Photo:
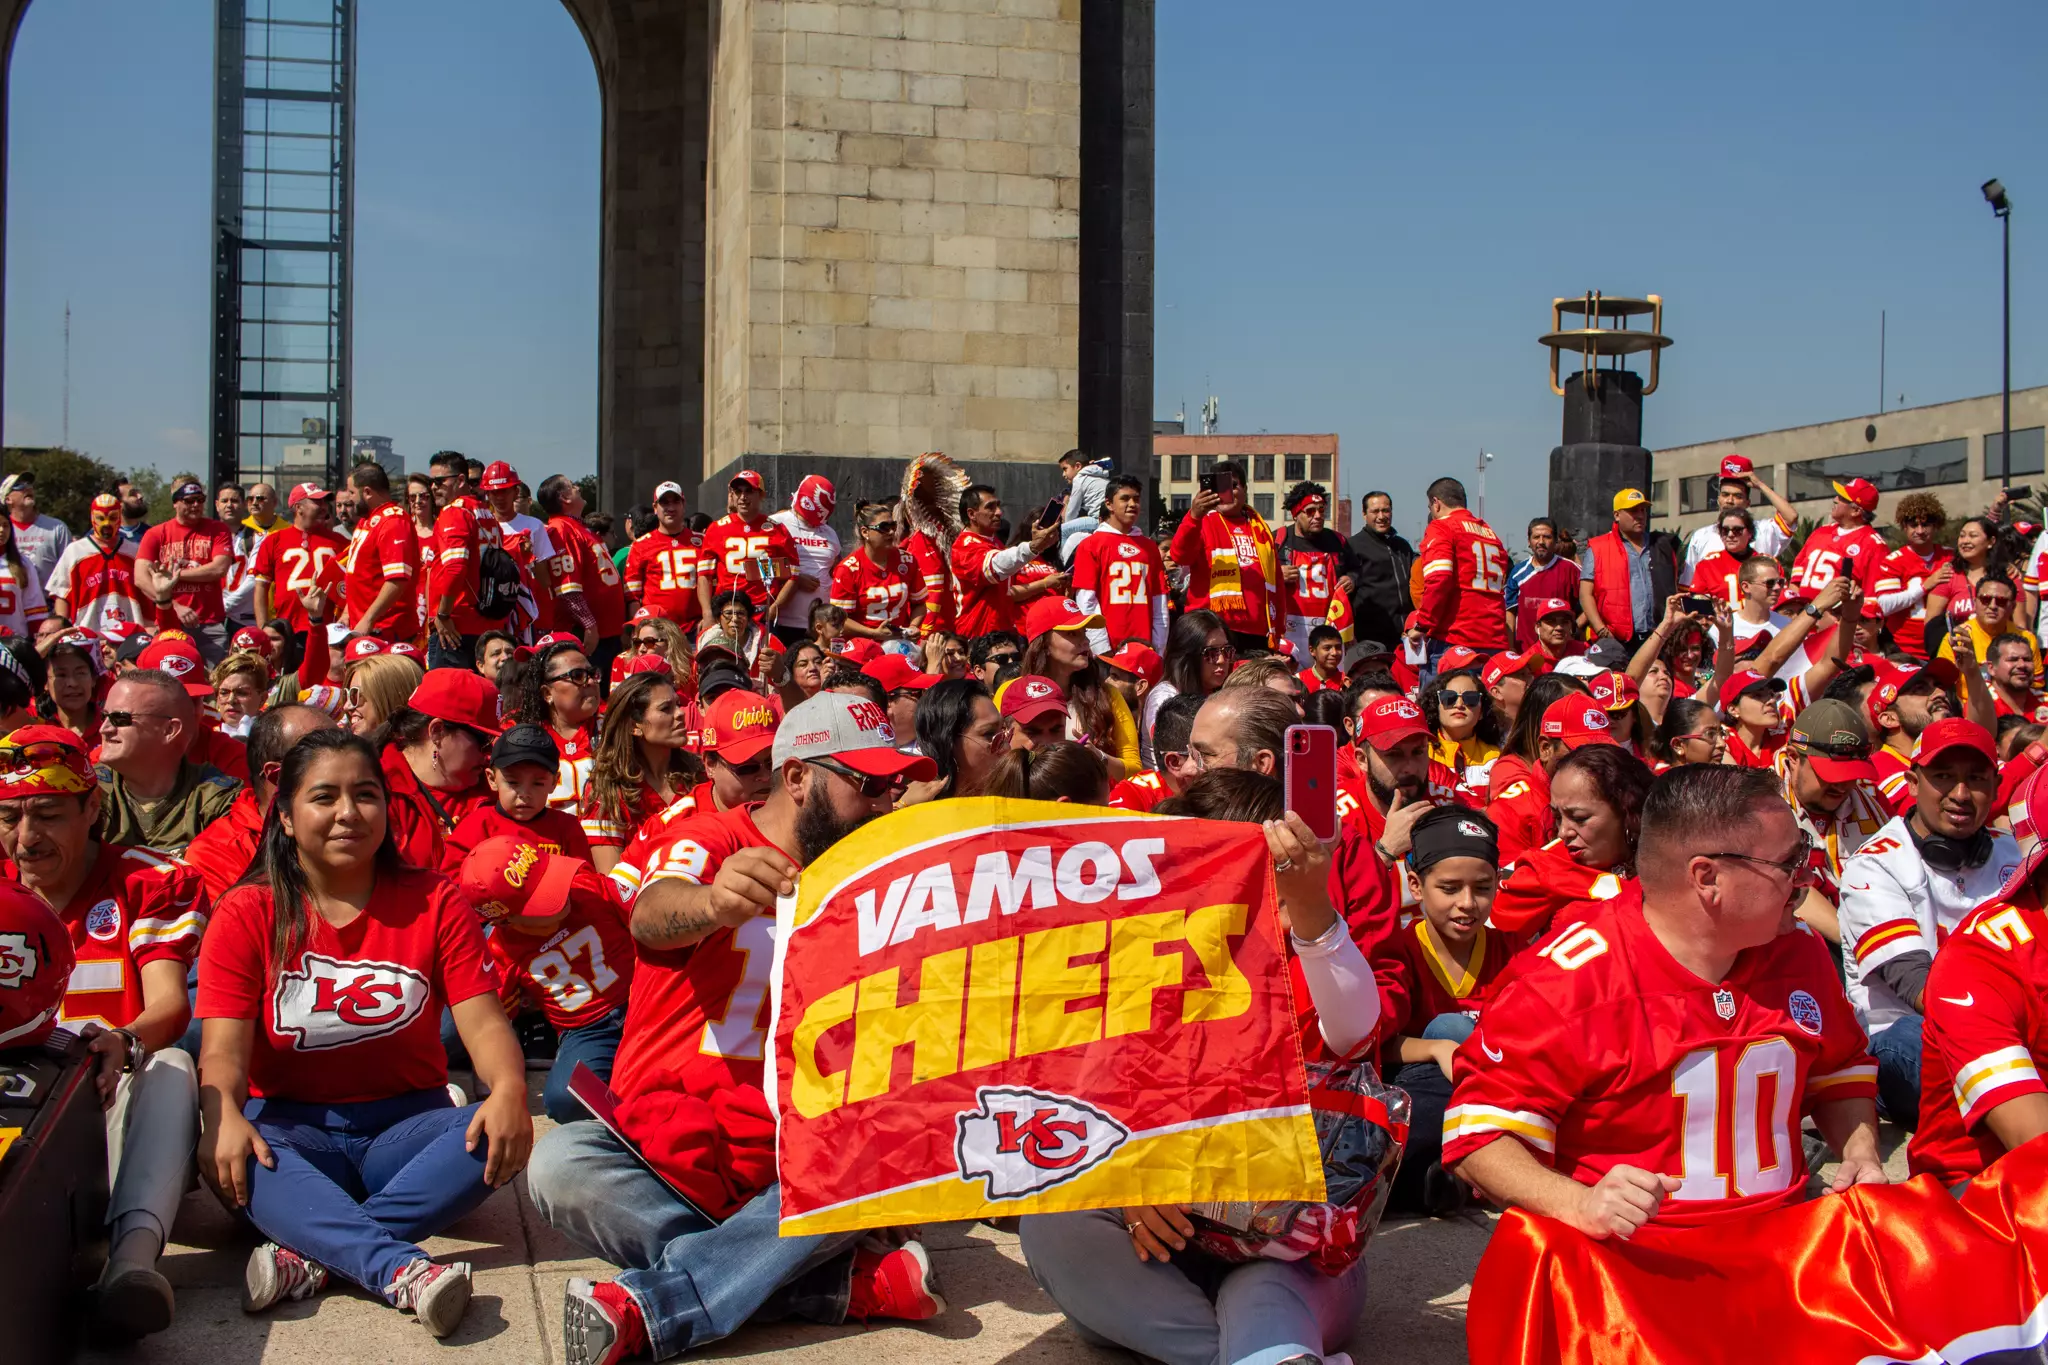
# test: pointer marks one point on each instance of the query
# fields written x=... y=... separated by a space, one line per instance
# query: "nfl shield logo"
x=1724 y=1003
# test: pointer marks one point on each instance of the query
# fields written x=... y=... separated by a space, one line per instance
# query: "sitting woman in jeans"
x=324 y=1107
x=1129 y=1277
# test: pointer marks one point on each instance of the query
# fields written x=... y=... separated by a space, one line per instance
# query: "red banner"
x=989 y=1007
x=1884 y=1273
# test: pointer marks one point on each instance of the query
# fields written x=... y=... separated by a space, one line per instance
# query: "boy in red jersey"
x=558 y=931
x=1619 y=1078
x=1317 y=565
x=661 y=568
x=1120 y=576
x=304 y=557
x=525 y=766
x=135 y=919
x=701 y=895
x=1325 y=671
x=383 y=562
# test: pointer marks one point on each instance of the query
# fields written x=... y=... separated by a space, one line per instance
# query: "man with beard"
x=1901 y=703
x=701 y=897
x=1380 y=813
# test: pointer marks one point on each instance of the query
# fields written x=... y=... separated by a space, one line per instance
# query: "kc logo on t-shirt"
x=329 y=1004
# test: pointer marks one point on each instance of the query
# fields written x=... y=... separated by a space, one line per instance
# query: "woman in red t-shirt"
x=321 y=983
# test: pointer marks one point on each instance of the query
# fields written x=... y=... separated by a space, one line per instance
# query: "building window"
x=1319 y=468
x=1181 y=500
x=2026 y=452
x=1297 y=468
x=1897 y=470
x=1205 y=464
x=1183 y=468
x=1264 y=502
x=1700 y=493
x=1262 y=469
x=1658 y=490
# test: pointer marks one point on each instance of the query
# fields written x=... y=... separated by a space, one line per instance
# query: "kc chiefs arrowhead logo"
x=18 y=960
x=328 y=1004
x=1022 y=1141
x=1127 y=550
x=1037 y=689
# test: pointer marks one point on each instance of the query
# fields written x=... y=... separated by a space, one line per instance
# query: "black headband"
x=1453 y=832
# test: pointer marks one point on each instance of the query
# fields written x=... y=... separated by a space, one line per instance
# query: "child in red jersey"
x=521 y=777
x=559 y=931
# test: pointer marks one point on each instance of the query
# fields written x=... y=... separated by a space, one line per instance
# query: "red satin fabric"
x=1899 y=1272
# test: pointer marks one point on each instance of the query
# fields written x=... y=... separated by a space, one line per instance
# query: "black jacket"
x=1381 y=604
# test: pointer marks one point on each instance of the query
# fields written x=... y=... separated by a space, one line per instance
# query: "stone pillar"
x=1116 y=232
x=894 y=254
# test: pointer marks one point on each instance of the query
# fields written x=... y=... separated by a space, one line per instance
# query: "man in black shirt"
x=1380 y=602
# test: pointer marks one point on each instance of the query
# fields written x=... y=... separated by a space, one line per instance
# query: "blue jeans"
x=694 y=1280
x=1897 y=1050
x=357 y=1185
x=594 y=1044
x=1429 y=1094
x=1194 y=1309
x=463 y=656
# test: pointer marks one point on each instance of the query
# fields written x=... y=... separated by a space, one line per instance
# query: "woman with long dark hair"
x=639 y=766
x=1464 y=733
x=1199 y=656
x=77 y=681
x=558 y=692
x=1691 y=732
x=1065 y=771
x=322 y=979
x=802 y=675
x=1097 y=714
x=1596 y=805
x=1983 y=547
x=960 y=730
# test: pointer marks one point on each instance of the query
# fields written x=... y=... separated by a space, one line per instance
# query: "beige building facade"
x=1953 y=450
x=1274 y=464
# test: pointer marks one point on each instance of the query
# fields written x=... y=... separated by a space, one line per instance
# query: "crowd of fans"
x=339 y=790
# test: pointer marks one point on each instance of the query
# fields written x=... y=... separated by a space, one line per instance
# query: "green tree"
x=66 y=481
x=588 y=485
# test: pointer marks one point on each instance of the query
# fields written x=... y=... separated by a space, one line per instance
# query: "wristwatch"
x=1812 y=611
x=137 y=1053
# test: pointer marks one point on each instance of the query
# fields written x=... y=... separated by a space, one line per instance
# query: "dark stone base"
x=1584 y=479
x=1024 y=485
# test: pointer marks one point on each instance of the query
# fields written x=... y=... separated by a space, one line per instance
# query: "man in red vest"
x=1629 y=573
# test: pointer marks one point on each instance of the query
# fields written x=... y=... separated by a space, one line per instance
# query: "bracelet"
x=137 y=1053
x=1380 y=851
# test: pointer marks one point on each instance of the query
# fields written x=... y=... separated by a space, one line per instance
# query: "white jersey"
x=238 y=589
x=1771 y=537
x=42 y=543
x=1745 y=631
x=22 y=605
x=98 y=586
x=1893 y=903
x=817 y=551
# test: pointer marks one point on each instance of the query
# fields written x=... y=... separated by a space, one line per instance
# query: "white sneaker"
x=455 y=1093
x=437 y=1294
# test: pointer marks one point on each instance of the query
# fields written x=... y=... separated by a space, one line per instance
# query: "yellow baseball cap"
x=1629 y=497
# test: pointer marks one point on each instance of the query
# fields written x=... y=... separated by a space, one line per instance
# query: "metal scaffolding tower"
x=283 y=192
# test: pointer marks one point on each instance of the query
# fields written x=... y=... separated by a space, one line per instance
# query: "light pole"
x=1484 y=460
x=2001 y=205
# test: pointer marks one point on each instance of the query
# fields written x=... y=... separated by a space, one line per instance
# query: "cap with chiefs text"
x=510 y=878
x=498 y=477
x=851 y=730
x=176 y=654
x=740 y=724
x=1577 y=721
x=1388 y=721
x=1027 y=698
x=1955 y=733
x=1831 y=737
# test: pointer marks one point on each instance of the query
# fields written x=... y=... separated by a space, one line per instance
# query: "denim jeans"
x=1194 y=1309
x=1897 y=1050
x=1429 y=1094
x=441 y=656
x=594 y=1044
x=358 y=1185
x=694 y=1280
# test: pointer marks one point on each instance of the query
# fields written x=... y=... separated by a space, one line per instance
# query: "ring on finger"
x=1132 y=1228
x=1284 y=865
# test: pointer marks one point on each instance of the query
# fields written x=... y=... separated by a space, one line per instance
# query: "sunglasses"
x=1465 y=700
x=869 y=786
x=1216 y=654
x=1773 y=584
x=1733 y=530
x=1994 y=599
x=355 y=699
x=42 y=754
x=578 y=676
x=121 y=720
x=1919 y=521
x=746 y=770
x=1002 y=660
x=650 y=642
x=882 y=528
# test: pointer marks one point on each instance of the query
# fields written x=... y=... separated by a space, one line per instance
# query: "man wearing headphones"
x=1907 y=888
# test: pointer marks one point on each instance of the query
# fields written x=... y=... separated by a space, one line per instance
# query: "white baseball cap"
x=662 y=490
x=851 y=729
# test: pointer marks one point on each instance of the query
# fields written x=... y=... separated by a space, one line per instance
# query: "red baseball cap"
x=894 y=672
x=120 y=632
x=1506 y=664
x=406 y=649
x=1138 y=659
x=1741 y=681
x=306 y=492
x=1551 y=606
x=1735 y=466
x=1457 y=659
x=1388 y=721
x=1056 y=613
x=456 y=696
x=740 y=724
x=858 y=649
x=750 y=479
x=1862 y=492
x=254 y=640
x=1955 y=733
x=1577 y=721
x=643 y=663
x=1029 y=697
x=510 y=878
x=175 y=654
x=1615 y=691
x=560 y=637
x=2028 y=813
x=363 y=647
x=498 y=476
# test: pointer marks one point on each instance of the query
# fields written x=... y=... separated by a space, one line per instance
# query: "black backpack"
x=497 y=583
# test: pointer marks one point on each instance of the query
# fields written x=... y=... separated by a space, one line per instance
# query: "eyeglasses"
x=1772 y=584
x=1709 y=737
x=883 y=528
x=1003 y=660
x=746 y=770
x=1463 y=700
x=578 y=676
x=42 y=754
x=1216 y=654
x=121 y=720
x=1798 y=868
x=649 y=642
x=1919 y=521
x=1994 y=599
x=869 y=786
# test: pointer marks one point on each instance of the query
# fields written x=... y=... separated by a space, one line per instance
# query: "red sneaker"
x=896 y=1284
x=601 y=1325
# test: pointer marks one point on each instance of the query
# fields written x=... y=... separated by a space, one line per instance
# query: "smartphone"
x=1051 y=515
x=1698 y=603
x=1206 y=482
x=2020 y=490
x=1310 y=778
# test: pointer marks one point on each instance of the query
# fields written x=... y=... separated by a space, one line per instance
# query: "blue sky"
x=1363 y=215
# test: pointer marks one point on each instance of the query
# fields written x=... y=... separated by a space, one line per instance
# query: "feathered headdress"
x=932 y=485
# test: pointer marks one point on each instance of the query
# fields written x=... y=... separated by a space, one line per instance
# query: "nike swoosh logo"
x=1491 y=1055
x=1966 y=999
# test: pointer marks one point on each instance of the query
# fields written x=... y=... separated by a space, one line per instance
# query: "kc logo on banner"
x=988 y=1007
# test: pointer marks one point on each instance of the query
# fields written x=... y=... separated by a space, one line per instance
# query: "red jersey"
x=223 y=850
x=172 y=545
x=698 y=1014
x=1832 y=551
x=1464 y=582
x=1124 y=574
x=364 y=1000
x=1420 y=979
x=1603 y=1051
x=749 y=557
x=384 y=550
x=461 y=532
x=1719 y=576
x=1233 y=569
x=661 y=575
x=581 y=564
x=600 y=830
x=292 y=561
x=582 y=969
x=938 y=581
x=553 y=830
x=1902 y=569
x=1518 y=803
x=421 y=819
x=1312 y=681
x=1985 y=1037
x=878 y=594
x=1357 y=876
x=135 y=907
x=1308 y=575
x=1894 y=779
x=1142 y=792
x=981 y=601
x=98 y=585
x=578 y=752
x=1546 y=886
